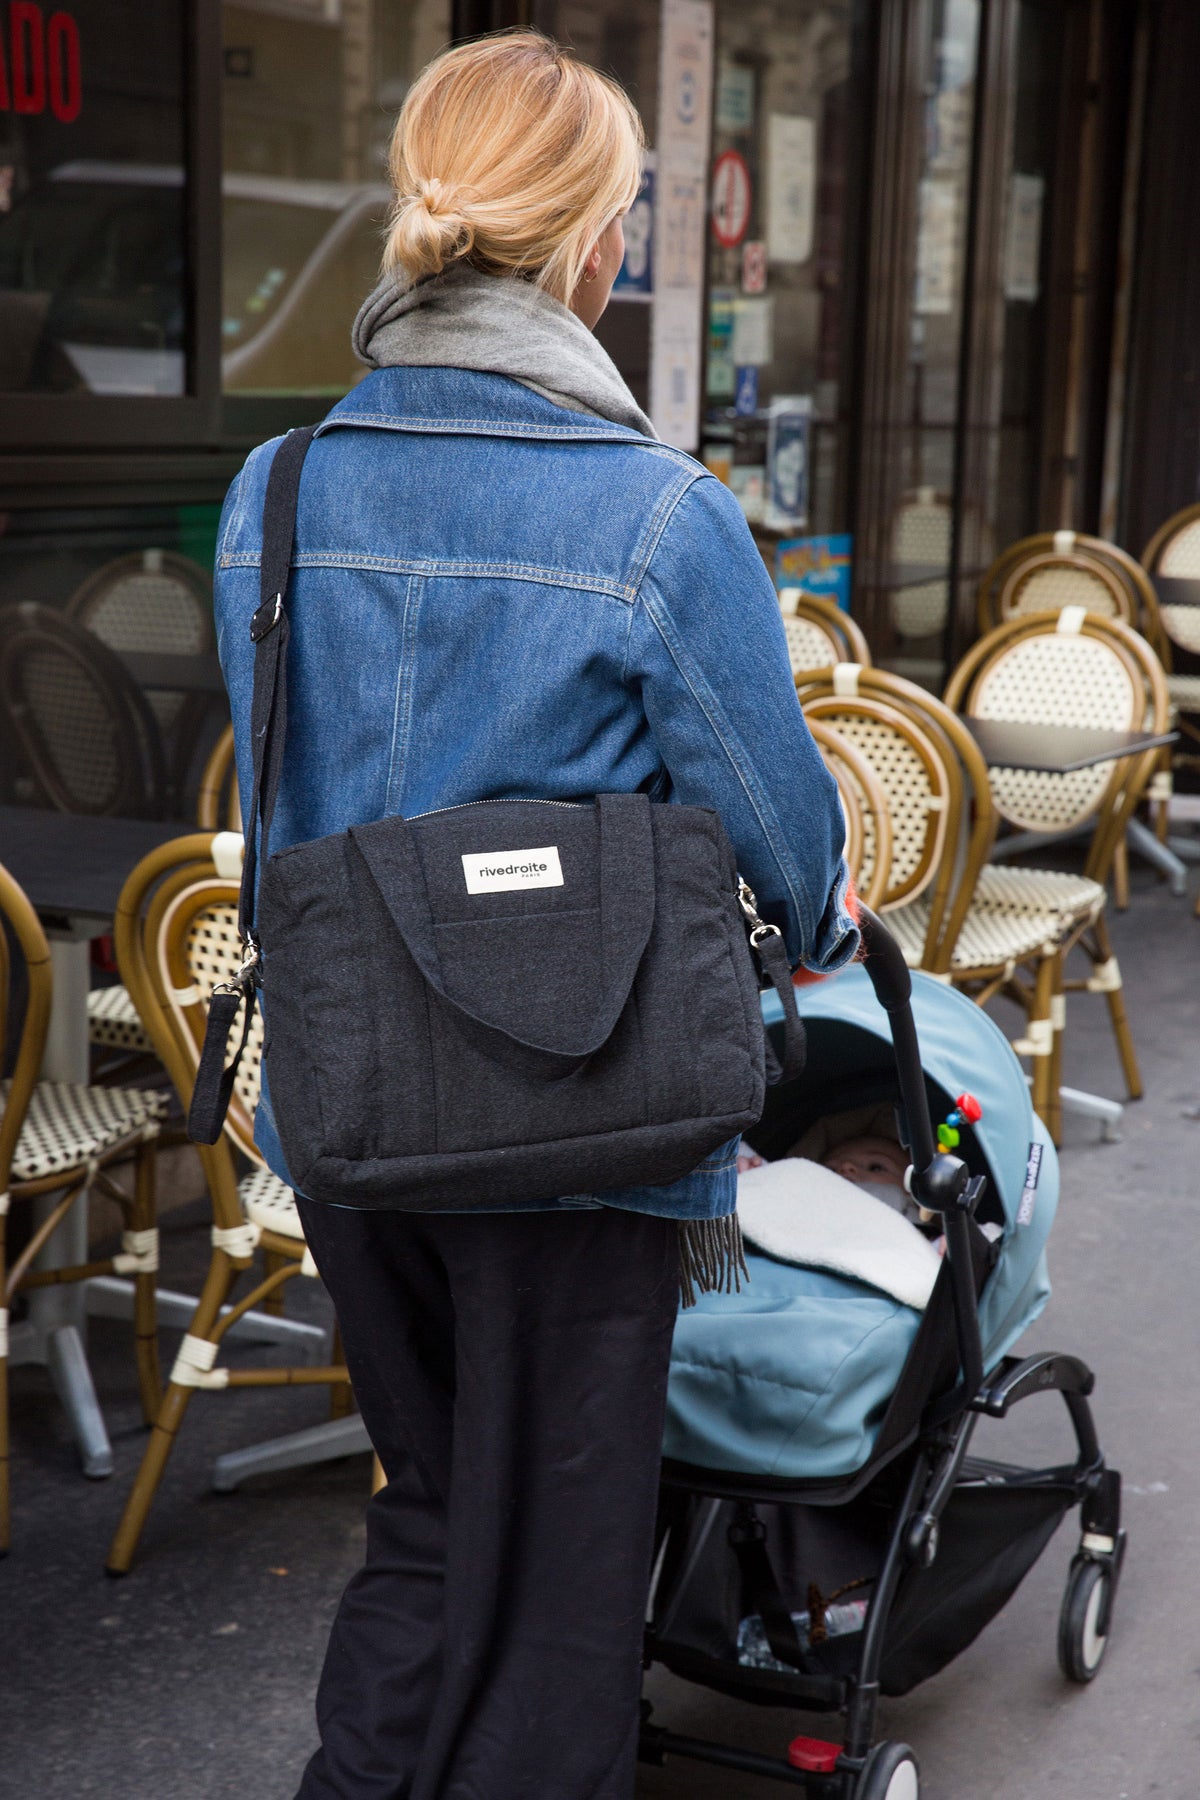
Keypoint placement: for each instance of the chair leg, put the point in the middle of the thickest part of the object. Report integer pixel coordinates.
(1107, 981)
(273, 1261)
(220, 1278)
(378, 1476)
(1040, 1037)
(145, 1306)
(341, 1394)
(1121, 875)
(1058, 1018)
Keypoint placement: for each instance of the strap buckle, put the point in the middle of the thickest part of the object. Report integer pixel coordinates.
(748, 902)
(260, 626)
(249, 974)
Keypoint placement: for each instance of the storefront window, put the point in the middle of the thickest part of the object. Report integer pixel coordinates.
(921, 528)
(776, 384)
(311, 91)
(92, 246)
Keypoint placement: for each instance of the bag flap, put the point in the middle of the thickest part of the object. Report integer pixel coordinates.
(530, 919)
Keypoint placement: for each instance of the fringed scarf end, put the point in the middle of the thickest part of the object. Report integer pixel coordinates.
(712, 1257)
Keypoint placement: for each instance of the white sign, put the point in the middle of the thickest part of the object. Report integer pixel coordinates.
(496, 871)
(677, 327)
(751, 346)
(1023, 238)
(791, 187)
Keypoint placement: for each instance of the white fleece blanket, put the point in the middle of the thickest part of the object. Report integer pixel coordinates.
(803, 1213)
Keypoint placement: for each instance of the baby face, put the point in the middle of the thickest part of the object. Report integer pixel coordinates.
(874, 1159)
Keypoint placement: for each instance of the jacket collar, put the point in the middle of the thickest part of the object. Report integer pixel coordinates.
(465, 402)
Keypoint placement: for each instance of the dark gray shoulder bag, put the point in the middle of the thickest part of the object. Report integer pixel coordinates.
(508, 1000)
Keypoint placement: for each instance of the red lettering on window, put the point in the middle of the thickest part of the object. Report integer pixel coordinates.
(28, 56)
(62, 55)
(5, 102)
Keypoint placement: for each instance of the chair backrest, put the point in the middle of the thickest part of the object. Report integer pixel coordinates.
(152, 600)
(962, 843)
(168, 888)
(1066, 668)
(78, 719)
(24, 1014)
(868, 849)
(218, 804)
(1053, 569)
(1175, 550)
(819, 632)
(922, 529)
(157, 601)
(1175, 547)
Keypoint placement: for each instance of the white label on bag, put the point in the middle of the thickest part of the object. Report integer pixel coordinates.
(494, 871)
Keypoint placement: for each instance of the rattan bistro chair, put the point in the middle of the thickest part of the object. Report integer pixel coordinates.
(819, 632)
(1067, 668)
(80, 727)
(868, 849)
(59, 1140)
(113, 1021)
(940, 926)
(154, 600)
(176, 935)
(1054, 569)
(1175, 550)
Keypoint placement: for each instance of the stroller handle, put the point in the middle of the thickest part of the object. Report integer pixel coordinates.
(884, 962)
(940, 1182)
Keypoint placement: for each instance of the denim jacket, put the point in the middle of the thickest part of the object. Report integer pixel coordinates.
(495, 596)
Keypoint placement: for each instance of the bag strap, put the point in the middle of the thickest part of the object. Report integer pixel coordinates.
(213, 1087)
(766, 941)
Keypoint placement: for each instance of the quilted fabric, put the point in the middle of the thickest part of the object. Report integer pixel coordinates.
(268, 1203)
(68, 1124)
(113, 1019)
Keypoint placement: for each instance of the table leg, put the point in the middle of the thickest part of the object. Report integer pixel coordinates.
(1161, 856)
(58, 1315)
(320, 1443)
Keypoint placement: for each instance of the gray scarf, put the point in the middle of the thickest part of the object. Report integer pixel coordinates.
(501, 326)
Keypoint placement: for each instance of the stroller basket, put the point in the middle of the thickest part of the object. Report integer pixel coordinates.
(821, 1592)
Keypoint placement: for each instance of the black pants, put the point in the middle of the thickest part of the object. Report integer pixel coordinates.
(511, 1370)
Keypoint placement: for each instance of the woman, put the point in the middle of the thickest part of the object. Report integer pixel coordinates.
(505, 585)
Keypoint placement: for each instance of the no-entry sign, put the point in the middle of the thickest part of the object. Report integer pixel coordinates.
(730, 199)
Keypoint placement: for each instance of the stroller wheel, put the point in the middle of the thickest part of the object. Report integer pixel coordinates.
(890, 1773)
(1083, 1622)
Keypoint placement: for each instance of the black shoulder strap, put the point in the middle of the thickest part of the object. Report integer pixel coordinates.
(268, 730)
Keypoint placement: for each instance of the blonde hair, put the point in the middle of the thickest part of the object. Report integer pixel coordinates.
(510, 154)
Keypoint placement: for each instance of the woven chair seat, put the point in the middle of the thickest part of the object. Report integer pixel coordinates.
(1024, 891)
(1185, 692)
(67, 1125)
(268, 1203)
(113, 1020)
(988, 940)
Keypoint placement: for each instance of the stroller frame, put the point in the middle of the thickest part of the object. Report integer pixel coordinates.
(939, 1465)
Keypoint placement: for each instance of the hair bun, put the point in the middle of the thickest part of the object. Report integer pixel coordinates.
(434, 196)
(429, 229)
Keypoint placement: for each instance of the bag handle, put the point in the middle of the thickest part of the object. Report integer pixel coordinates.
(389, 849)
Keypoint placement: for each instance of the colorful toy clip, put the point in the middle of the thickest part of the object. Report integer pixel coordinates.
(967, 1111)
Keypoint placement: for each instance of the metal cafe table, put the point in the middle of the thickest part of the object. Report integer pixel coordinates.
(1061, 750)
(72, 869)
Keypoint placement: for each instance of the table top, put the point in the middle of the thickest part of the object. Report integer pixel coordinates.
(75, 867)
(1057, 749)
(1177, 590)
(200, 674)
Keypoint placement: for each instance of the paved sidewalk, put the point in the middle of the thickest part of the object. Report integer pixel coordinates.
(192, 1679)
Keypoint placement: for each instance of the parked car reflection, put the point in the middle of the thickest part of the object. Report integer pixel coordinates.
(92, 281)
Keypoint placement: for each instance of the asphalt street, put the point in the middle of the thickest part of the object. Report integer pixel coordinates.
(192, 1679)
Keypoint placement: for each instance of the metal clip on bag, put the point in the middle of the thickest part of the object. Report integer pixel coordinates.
(503, 1001)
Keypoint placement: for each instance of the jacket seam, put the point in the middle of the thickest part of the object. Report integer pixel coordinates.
(402, 710)
(431, 567)
(768, 823)
(651, 539)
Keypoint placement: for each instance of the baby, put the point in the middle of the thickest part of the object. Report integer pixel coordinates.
(876, 1164)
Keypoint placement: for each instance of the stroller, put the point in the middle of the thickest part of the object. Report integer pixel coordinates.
(824, 1535)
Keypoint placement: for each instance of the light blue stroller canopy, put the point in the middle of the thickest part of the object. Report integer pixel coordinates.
(791, 1377)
